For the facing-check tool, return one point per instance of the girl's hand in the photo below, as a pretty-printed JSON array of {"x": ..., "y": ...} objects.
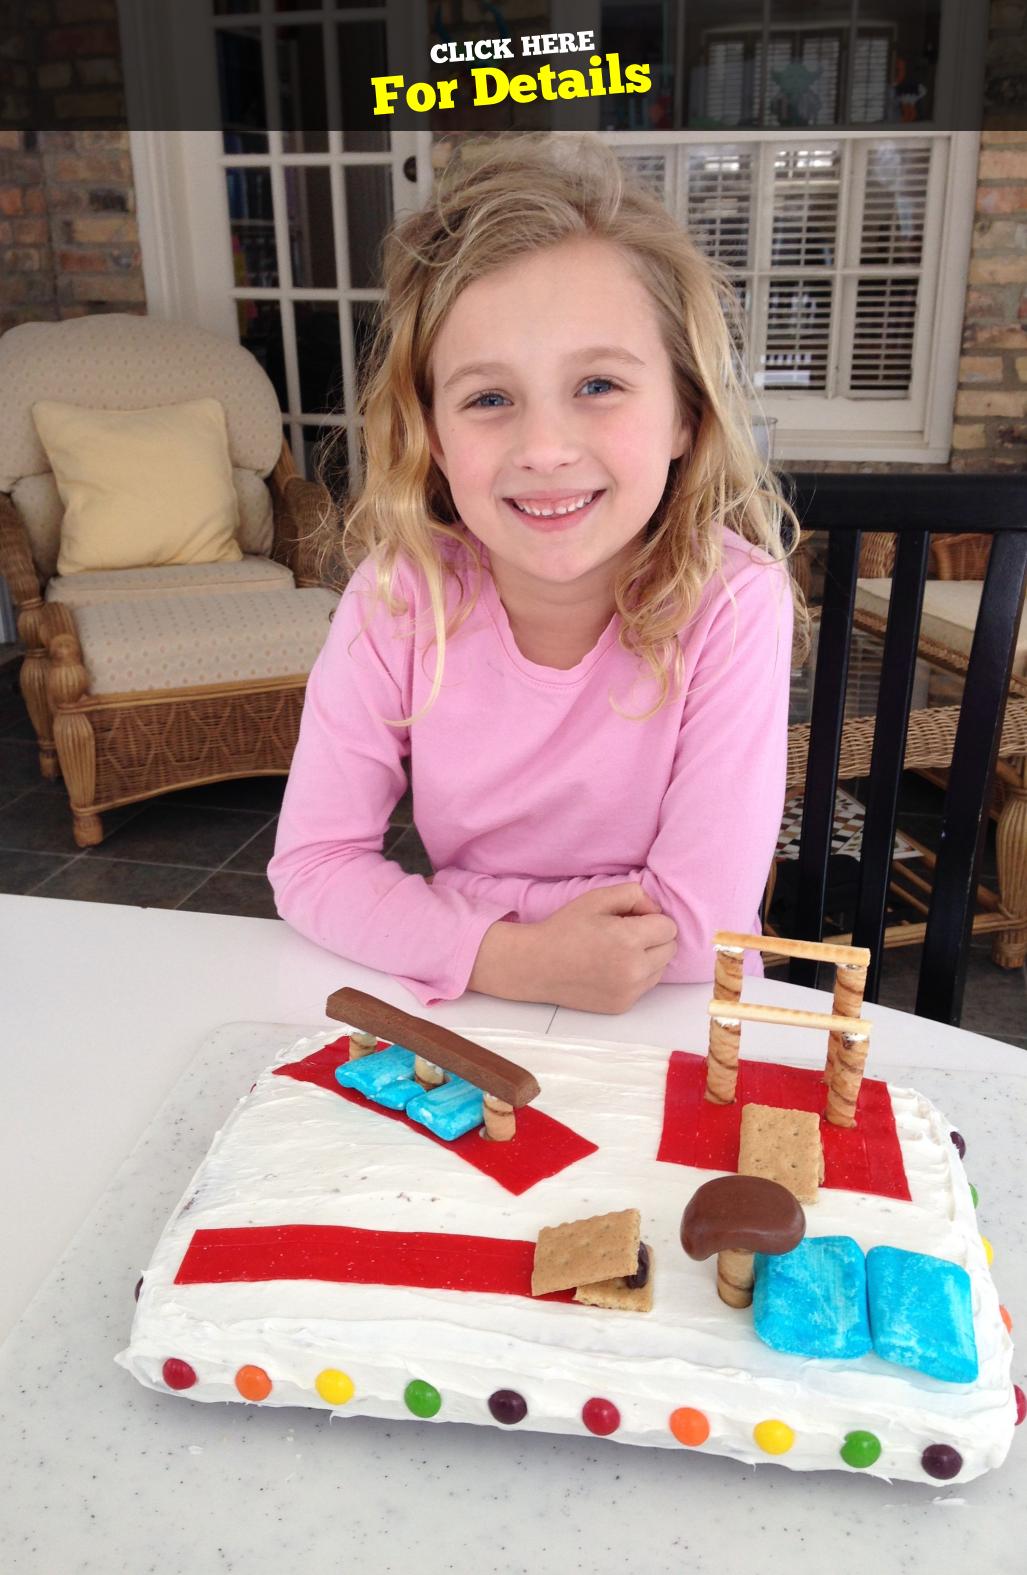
[{"x": 599, "y": 953}]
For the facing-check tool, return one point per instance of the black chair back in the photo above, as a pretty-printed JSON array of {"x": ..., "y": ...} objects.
[{"x": 913, "y": 507}]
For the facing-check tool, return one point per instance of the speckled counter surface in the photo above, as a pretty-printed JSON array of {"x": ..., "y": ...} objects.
[{"x": 102, "y": 1475}]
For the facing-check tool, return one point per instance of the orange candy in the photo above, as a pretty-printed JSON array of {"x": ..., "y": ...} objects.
[
  {"x": 1006, "y": 1319},
  {"x": 253, "y": 1383},
  {"x": 689, "y": 1427}
]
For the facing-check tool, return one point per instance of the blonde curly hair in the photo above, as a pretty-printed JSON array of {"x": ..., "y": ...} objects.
[{"x": 495, "y": 201}]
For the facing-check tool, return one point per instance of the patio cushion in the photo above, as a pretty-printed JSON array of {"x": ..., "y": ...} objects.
[
  {"x": 141, "y": 488},
  {"x": 107, "y": 585},
  {"x": 41, "y": 511},
  {"x": 950, "y": 613},
  {"x": 179, "y": 642},
  {"x": 116, "y": 361}
]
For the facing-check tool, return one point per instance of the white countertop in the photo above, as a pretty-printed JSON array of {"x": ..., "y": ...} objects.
[{"x": 103, "y": 1010}]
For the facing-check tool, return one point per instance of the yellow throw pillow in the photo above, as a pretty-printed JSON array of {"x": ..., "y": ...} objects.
[{"x": 141, "y": 488}]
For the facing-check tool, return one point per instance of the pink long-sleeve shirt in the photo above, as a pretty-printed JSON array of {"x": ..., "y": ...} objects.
[{"x": 529, "y": 788}]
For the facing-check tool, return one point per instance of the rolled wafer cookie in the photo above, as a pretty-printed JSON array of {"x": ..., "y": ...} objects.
[{"x": 846, "y": 1080}]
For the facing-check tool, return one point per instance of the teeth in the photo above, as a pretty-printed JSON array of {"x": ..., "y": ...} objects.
[{"x": 570, "y": 507}]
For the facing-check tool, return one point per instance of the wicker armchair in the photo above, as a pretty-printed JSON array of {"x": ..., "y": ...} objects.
[{"x": 235, "y": 642}]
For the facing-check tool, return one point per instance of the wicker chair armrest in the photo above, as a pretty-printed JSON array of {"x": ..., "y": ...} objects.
[
  {"x": 877, "y": 555},
  {"x": 16, "y": 563},
  {"x": 306, "y": 531}
]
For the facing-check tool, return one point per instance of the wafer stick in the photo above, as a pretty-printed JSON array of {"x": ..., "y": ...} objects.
[
  {"x": 850, "y": 981},
  {"x": 736, "y": 1277},
  {"x": 814, "y": 951},
  {"x": 722, "y": 1059},
  {"x": 786, "y": 1016},
  {"x": 846, "y": 1079},
  {"x": 361, "y": 1044},
  {"x": 500, "y": 1120},
  {"x": 427, "y": 1073}
]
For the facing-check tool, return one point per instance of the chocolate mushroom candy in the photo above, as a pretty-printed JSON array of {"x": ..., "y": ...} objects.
[{"x": 735, "y": 1217}]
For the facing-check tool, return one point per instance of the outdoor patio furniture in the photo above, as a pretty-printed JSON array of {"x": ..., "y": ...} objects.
[
  {"x": 973, "y": 741},
  {"x": 141, "y": 680}
]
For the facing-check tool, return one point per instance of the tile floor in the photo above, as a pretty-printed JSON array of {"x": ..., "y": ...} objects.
[{"x": 206, "y": 849}]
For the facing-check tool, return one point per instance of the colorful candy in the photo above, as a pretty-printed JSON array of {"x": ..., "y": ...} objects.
[
  {"x": 600, "y": 1416},
  {"x": 975, "y": 1195},
  {"x": 422, "y": 1398},
  {"x": 921, "y": 1313},
  {"x": 1021, "y": 1404},
  {"x": 449, "y": 1111},
  {"x": 958, "y": 1143},
  {"x": 942, "y": 1462},
  {"x": 1004, "y": 1315},
  {"x": 139, "y": 1286},
  {"x": 689, "y": 1426},
  {"x": 812, "y": 1301},
  {"x": 508, "y": 1407},
  {"x": 861, "y": 1449},
  {"x": 253, "y": 1383},
  {"x": 333, "y": 1386},
  {"x": 773, "y": 1436},
  {"x": 178, "y": 1374},
  {"x": 989, "y": 1251}
]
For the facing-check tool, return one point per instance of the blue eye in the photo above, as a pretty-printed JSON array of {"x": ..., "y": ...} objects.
[
  {"x": 478, "y": 402},
  {"x": 605, "y": 382}
]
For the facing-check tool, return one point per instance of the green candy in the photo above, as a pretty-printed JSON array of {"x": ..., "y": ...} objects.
[
  {"x": 861, "y": 1450},
  {"x": 974, "y": 1194},
  {"x": 423, "y": 1399}
]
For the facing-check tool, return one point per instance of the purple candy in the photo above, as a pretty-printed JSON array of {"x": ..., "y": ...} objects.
[
  {"x": 139, "y": 1286},
  {"x": 942, "y": 1461},
  {"x": 508, "y": 1407},
  {"x": 958, "y": 1143}
]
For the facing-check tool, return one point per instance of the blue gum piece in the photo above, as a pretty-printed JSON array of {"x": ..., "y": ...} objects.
[
  {"x": 449, "y": 1111},
  {"x": 921, "y": 1313},
  {"x": 372, "y": 1075},
  {"x": 812, "y": 1301}
]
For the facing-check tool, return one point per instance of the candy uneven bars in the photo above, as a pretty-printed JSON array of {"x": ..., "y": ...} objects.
[{"x": 848, "y": 1034}]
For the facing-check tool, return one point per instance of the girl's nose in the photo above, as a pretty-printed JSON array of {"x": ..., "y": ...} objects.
[{"x": 544, "y": 440}]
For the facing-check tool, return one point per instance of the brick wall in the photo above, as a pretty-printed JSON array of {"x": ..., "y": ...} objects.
[
  {"x": 990, "y": 431},
  {"x": 69, "y": 242}
]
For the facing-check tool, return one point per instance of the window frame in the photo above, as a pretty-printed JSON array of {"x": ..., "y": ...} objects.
[{"x": 918, "y": 428}]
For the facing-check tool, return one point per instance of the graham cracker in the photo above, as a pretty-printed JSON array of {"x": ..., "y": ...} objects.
[
  {"x": 584, "y": 1252},
  {"x": 615, "y": 1294},
  {"x": 782, "y": 1146}
]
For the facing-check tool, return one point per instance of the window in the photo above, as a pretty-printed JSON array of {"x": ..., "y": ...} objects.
[{"x": 848, "y": 252}]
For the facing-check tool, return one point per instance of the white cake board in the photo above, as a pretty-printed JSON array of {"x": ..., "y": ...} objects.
[{"x": 100, "y": 1474}]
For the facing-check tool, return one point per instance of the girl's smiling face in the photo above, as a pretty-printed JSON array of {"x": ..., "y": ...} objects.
[{"x": 554, "y": 415}]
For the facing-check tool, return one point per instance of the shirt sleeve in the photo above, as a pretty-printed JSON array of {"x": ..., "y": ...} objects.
[
  {"x": 721, "y": 813},
  {"x": 329, "y": 876}
]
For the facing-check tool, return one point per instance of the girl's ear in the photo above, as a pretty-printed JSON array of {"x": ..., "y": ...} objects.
[
  {"x": 433, "y": 443},
  {"x": 682, "y": 441}
]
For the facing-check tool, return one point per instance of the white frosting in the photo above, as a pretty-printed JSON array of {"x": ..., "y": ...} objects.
[{"x": 293, "y": 1153}]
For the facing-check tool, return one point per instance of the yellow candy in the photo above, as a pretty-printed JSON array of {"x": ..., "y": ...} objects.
[
  {"x": 334, "y": 1387},
  {"x": 774, "y": 1437},
  {"x": 989, "y": 1251}
]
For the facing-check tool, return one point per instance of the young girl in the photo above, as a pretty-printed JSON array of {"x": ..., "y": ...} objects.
[{"x": 570, "y": 612}]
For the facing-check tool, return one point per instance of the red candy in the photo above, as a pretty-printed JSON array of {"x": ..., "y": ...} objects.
[
  {"x": 178, "y": 1374},
  {"x": 1021, "y": 1404},
  {"x": 600, "y": 1417}
]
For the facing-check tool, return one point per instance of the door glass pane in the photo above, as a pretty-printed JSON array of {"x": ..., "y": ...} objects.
[
  {"x": 233, "y": 7},
  {"x": 311, "y": 242},
  {"x": 260, "y": 331},
  {"x": 299, "y": 52},
  {"x": 368, "y": 216},
  {"x": 320, "y": 355},
  {"x": 254, "y": 258},
  {"x": 365, "y": 321},
  {"x": 362, "y": 55},
  {"x": 241, "y": 90},
  {"x": 327, "y": 458}
]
